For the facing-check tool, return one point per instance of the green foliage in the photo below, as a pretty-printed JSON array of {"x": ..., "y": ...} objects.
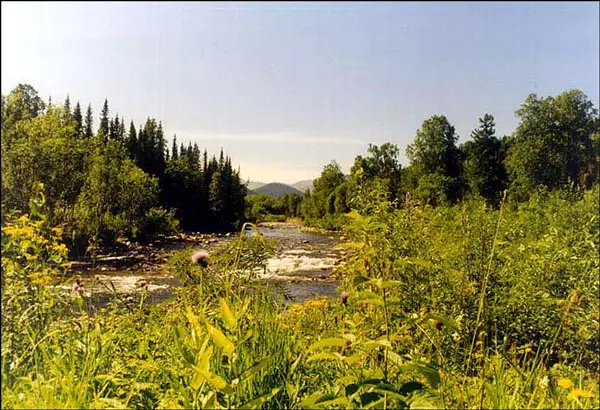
[
  {"x": 322, "y": 206},
  {"x": 116, "y": 194},
  {"x": 436, "y": 160},
  {"x": 264, "y": 208},
  {"x": 484, "y": 162},
  {"x": 32, "y": 257},
  {"x": 381, "y": 163},
  {"x": 157, "y": 221},
  {"x": 552, "y": 144},
  {"x": 450, "y": 307}
]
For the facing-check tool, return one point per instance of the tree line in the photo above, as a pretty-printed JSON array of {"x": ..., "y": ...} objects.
[
  {"x": 554, "y": 146},
  {"x": 114, "y": 181}
]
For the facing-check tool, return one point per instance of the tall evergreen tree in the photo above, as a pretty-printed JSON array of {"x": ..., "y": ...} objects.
[
  {"x": 78, "y": 118},
  {"x": 484, "y": 170},
  {"x": 132, "y": 142},
  {"x": 104, "y": 121},
  {"x": 112, "y": 129},
  {"x": 89, "y": 122},
  {"x": 196, "y": 155},
  {"x": 160, "y": 150},
  {"x": 67, "y": 107},
  {"x": 121, "y": 130},
  {"x": 174, "y": 148}
]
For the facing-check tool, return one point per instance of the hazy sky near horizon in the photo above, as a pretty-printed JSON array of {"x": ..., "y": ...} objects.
[{"x": 286, "y": 87}]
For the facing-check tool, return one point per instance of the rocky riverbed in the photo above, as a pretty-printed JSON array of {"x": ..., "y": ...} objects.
[{"x": 302, "y": 267}]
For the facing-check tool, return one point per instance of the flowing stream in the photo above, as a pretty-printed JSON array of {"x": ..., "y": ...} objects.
[{"x": 302, "y": 267}]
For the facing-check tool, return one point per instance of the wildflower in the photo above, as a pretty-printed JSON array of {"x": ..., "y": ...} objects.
[
  {"x": 201, "y": 258},
  {"x": 565, "y": 383},
  {"x": 344, "y": 296}
]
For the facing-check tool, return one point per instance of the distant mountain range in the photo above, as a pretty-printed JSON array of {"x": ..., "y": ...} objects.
[
  {"x": 278, "y": 189},
  {"x": 304, "y": 185},
  {"x": 252, "y": 185}
]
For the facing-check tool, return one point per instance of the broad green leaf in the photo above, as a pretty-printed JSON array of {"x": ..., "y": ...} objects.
[
  {"x": 395, "y": 358},
  {"x": 355, "y": 358},
  {"x": 410, "y": 387},
  {"x": 215, "y": 381},
  {"x": 329, "y": 342},
  {"x": 311, "y": 401},
  {"x": 202, "y": 367},
  {"x": 196, "y": 328},
  {"x": 220, "y": 340},
  {"x": 227, "y": 314},
  {"x": 374, "y": 344}
]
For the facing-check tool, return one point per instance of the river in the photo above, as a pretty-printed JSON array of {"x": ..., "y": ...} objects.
[{"x": 302, "y": 267}]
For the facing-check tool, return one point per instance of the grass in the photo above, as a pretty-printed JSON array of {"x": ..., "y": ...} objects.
[{"x": 461, "y": 307}]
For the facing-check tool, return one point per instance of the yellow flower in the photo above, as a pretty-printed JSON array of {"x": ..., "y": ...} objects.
[
  {"x": 575, "y": 393},
  {"x": 565, "y": 383}
]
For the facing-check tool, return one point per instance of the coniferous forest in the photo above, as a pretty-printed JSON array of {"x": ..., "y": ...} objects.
[{"x": 104, "y": 179}]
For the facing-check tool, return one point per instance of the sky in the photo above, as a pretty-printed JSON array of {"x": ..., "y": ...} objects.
[{"x": 284, "y": 88}]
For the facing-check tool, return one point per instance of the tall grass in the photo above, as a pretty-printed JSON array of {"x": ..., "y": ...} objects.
[{"x": 461, "y": 307}]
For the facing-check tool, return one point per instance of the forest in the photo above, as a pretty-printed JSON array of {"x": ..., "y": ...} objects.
[{"x": 471, "y": 277}]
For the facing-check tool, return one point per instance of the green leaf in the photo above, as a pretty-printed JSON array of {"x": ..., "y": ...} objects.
[
  {"x": 216, "y": 381},
  {"x": 395, "y": 358},
  {"x": 359, "y": 280},
  {"x": 311, "y": 401},
  {"x": 227, "y": 314},
  {"x": 220, "y": 340},
  {"x": 329, "y": 342},
  {"x": 369, "y": 397},
  {"x": 326, "y": 356},
  {"x": 374, "y": 344},
  {"x": 253, "y": 370},
  {"x": 410, "y": 387}
]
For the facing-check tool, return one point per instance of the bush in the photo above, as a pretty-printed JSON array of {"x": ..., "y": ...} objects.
[{"x": 157, "y": 221}]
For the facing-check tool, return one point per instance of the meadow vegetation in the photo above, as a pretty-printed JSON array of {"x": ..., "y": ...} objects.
[{"x": 462, "y": 287}]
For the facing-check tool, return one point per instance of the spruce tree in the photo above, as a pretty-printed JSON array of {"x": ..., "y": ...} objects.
[
  {"x": 112, "y": 130},
  {"x": 89, "y": 122},
  {"x": 78, "y": 118},
  {"x": 104, "y": 122},
  {"x": 121, "y": 131},
  {"x": 160, "y": 150},
  {"x": 67, "y": 107},
  {"x": 174, "y": 149},
  {"x": 132, "y": 142}
]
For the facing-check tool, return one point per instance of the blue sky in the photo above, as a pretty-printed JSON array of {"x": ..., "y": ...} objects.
[{"x": 286, "y": 87}]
